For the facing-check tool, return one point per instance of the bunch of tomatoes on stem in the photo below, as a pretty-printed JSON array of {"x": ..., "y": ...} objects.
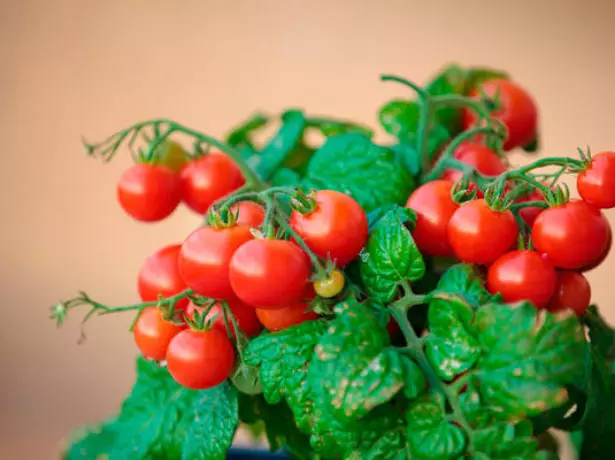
[{"x": 257, "y": 263}]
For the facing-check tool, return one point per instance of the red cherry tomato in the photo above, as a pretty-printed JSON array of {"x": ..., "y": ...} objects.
[
  {"x": 517, "y": 111},
  {"x": 336, "y": 229},
  {"x": 159, "y": 275},
  {"x": 149, "y": 192},
  {"x": 434, "y": 207},
  {"x": 248, "y": 213},
  {"x": 596, "y": 184},
  {"x": 605, "y": 252},
  {"x": 522, "y": 275},
  {"x": 200, "y": 359},
  {"x": 269, "y": 274},
  {"x": 572, "y": 235},
  {"x": 293, "y": 314},
  {"x": 205, "y": 256},
  {"x": 393, "y": 328},
  {"x": 152, "y": 333},
  {"x": 530, "y": 213},
  {"x": 244, "y": 315},
  {"x": 573, "y": 292},
  {"x": 209, "y": 178},
  {"x": 480, "y": 235},
  {"x": 485, "y": 160}
]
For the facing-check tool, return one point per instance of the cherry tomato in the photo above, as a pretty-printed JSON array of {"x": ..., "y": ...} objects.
[
  {"x": 159, "y": 275},
  {"x": 336, "y": 229},
  {"x": 249, "y": 213},
  {"x": 572, "y": 235},
  {"x": 205, "y": 256},
  {"x": 517, "y": 111},
  {"x": 152, "y": 333},
  {"x": 596, "y": 184},
  {"x": 209, "y": 178},
  {"x": 330, "y": 286},
  {"x": 269, "y": 274},
  {"x": 530, "y": 213},
  {"x": 522, "y": 275},
  {"x": 172, "y": 155},
  {"x": 282, "y": 318},
  {"x": 485, "y": 160},
  {"x": 480, "y": 235},
  {"x": 200, "y": 359},
  {"x": 244, "y": 315},
  {"x": 605, "y": 252},
  {"x": 393, "y": 328},
  {"x": 434, "y": 207},
  {"x": 573, "y": 292},
  {"x": 149, "y": 192}
]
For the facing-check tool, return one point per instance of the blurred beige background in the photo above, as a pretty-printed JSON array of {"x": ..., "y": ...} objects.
[{"x": 71, "y": 67}]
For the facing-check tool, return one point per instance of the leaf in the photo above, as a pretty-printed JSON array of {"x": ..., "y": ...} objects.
[
  {"x": 477, "y": 412},
  {"x": 528, "y": 357},
  {"x": 283, "y": 358},
  {"x": 451, "y": 80},
  {"x": 390, "y": 256},
  {"x": 352, "y": 164},
  {"x": 91, "y": 444},
  {"x": 281, "y": 145},
  {"x": 506, "y": 441},
  {"x": 400, "y": 117},
  {"x": 354, "y": 369},
  {"x": 467, "y": 281},
  {"x": 285, "y": 177},
  {"x": 241, "y": 135},
  {"x": 406, "y": 215},
  {"x": 601, "y": 335},
  {"x": 329, "y": 127},
  {"x": 430, "y": 435}
]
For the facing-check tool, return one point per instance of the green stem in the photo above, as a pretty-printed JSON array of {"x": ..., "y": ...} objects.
[{"x": 529, "y": 204}]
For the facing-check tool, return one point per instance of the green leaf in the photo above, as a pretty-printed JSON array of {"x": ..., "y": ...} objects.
[
  {"x": 390, "y": 256},
  {"x": 467, "y": 281},
  {"x": 478, "y": 413},
  {"x": 329, "y": 127},
  {"x": 91, "y": 443},
  {"x": 601, "y": 334},
  {"x": 430, "y": 435},
  {"x": 241, "y": 135},
  {"x": 355, "y": 369},
  {"x": 400, "y": 117},
  {"x": 451, "y": 80},
  {"x": 283, "y": 358},
  {"x": 281, "y": 145},
  {"x": 506, "y": 441},
  {"x": 352, "y": 164},
  {"x": 406, "y": 215},
  {"x": 528, "y": 356}
]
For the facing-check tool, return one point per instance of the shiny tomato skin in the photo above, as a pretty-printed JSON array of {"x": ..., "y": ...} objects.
[
  {"x": 518, "y": 111},
  {"x": 209, "y": 178},
  {"x": 522, "y": 275},
  {"x": 571, "y": 235},
  {"x": 269, "y": 274},
  {"x": 607, "y": 249},
  {"x": 282, "y": 318},
  {"x": 596, "y": 183},
  {"x": 485, "y": 160},
  {"x": 159, "y": 275},
  {"x": 248, "y": 213},
  {"x": 244, "y": 315},
  {"x": 479, "y": 234},
  {"x": 336, "y": 229},
  {"x": 573, "y": 292},
  {"x": 205, "y": 256},
  {"x": 434, "y": 207},
  {"x": 152, "y": 333},
  {"x": 200, "y": 359},
  {"x": 149, "y": 192}
]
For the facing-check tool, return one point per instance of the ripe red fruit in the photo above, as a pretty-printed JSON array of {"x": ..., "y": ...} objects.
[
  {"x": 200, "y": 359},
  {"x": 149, "y": 192},
  {"x": 596, "y": 184},
  {"x": 522, "y": 275},
  {"x": 248, "y": 213},
  {"x": 485, "y": 160},
  {"x": 159, "y": 276},
  {"x": 480, "y": 235},
  {"x": 572, "y": 235},
  {"x": 434, "y": 207},
  {"x": 205, "y": 257},
  {"x": 336, "y": 229},
  {"x": 152, "y": 333},
  {"x": 291, "y": 315},
  {"x": 244, "y": 315},
  {"x": 573, "y": 292},
  {"x": 605, "y": 252},
  {"x": 529, "y": 214},
  {"x": 209, "y": 178},
  {"x": 269, "y": 274}
]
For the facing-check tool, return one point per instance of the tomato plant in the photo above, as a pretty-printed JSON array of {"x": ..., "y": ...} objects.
[
  {"x": 200, "y": 359},
  {"x": 479, "y": 234},
  {"x": 244, "y": 315},
  {"x": 152, "y": 333},
  {"x": 269, "y": 274},
  {"x": 149, "y": 192},
  {"x": 596, "y": 183},
  {"x": 159, "y": 276},
  {"x": 522, "y": 275},
  {"x": 209, "y": 178},
  {"x": 335, "y": 229},
  {"x": 573, "y": 292},
  {"x": 205, "y": 257}
]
